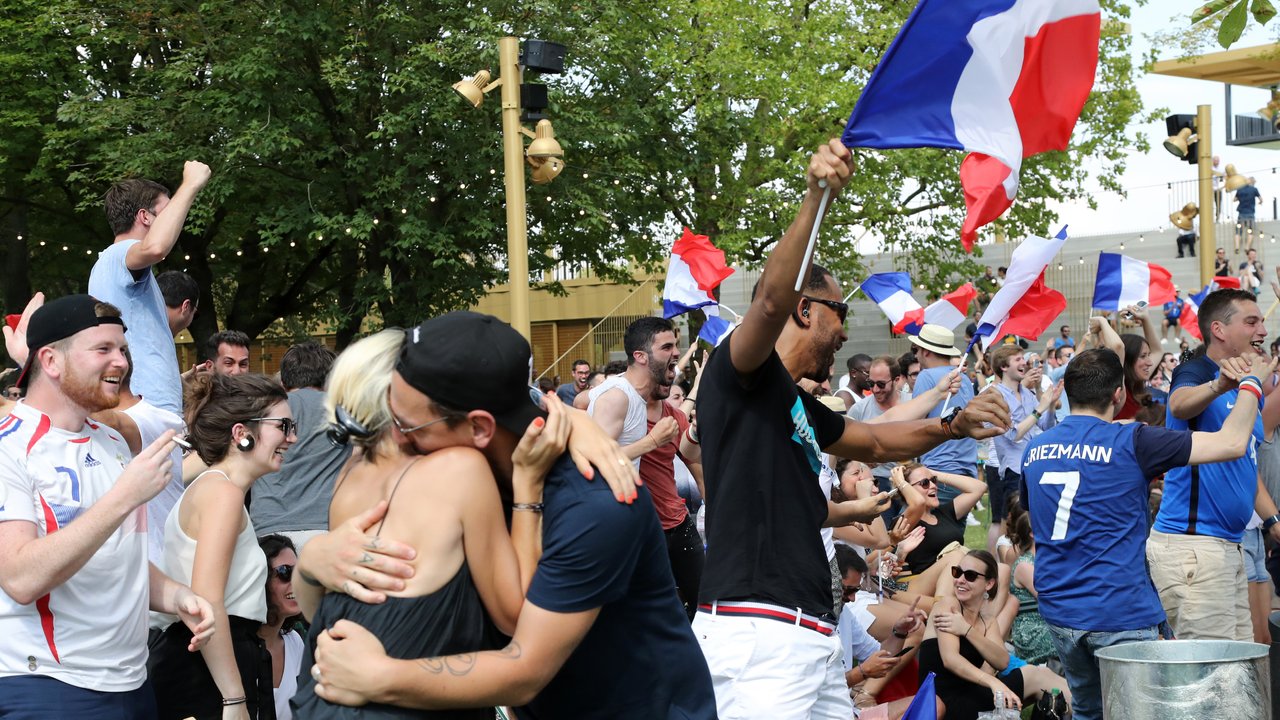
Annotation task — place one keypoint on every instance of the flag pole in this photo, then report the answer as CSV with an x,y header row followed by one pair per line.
x,y
947,403
731,310
853,292
813,234
1272,308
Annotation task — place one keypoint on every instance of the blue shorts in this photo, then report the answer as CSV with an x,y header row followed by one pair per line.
x,y
1255,556
37,697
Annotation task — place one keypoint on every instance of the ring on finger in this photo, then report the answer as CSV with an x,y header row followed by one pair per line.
x,y
315,673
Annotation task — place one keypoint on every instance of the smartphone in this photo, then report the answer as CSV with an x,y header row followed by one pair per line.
x,y
905,650
1141,305
894,493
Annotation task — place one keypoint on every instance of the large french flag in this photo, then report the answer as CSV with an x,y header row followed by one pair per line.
x,y
1001,79
892,292
1123,281
1024,306
952,309
697,267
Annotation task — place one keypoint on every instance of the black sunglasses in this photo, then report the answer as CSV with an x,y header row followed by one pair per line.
x,y
881,384
842,309
284,573
926,481
970,575
287,425
850,590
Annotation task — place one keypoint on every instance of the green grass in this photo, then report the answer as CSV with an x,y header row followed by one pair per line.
x,y
975,537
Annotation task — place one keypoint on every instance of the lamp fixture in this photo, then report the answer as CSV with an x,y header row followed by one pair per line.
x,y
1177,144
546,169
473,90
544,144
1234,180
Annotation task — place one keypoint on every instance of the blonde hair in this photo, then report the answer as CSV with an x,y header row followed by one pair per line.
x,y
359,382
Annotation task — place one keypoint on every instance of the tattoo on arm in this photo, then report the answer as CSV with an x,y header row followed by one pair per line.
x,y
459,665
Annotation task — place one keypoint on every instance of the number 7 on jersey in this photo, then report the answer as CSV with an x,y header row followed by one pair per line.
x,y
1071,483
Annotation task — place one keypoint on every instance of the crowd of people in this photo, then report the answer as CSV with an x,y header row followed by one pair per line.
x,y
411,528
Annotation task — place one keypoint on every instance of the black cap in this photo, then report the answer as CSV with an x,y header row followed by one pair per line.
x,y
59,320
469,361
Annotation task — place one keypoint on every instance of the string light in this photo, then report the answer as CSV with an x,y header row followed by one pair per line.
x,y
433,198
1081,260
186,257
88,252
714,197
1059,267
64,248
239,253
266,249
1122,245
492,171
585,176
1142,238
212,256
404,211
348,231
41,243
294,244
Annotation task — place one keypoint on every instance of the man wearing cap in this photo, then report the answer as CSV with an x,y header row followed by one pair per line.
x,y
765,621
146,222
601,634
935,348
74,576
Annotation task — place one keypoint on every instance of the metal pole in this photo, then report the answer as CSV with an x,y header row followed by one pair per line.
x,y
1204,165
513,177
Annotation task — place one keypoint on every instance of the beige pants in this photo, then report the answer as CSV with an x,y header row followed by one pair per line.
x,y
1202,586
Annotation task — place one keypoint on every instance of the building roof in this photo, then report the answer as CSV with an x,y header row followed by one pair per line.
x,y
1257,66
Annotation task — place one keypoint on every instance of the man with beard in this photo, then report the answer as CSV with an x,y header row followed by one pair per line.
x,y
634,402
765,619
568,391
74,576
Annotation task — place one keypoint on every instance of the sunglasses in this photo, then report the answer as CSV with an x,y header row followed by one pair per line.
x,y
881,384
283,573
288,426
926,481
969,575
842,309
850,591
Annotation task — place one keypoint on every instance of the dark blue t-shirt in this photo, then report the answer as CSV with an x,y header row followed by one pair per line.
x,y
1085,484
1247,197
639,659
1214,499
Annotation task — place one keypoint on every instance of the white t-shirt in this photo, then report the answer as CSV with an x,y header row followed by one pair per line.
x,y
635,424
246,590
857,643
293,649
152,422
826,480
91,631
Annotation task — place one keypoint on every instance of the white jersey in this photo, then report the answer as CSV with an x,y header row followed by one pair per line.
x,y
635,425
91,631
152,422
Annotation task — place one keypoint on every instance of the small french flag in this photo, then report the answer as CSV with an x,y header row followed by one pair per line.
x,y
715,330
1190,317
892,292
1123,281
953,308
697,267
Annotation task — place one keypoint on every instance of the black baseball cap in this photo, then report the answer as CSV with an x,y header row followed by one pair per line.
x,y
59,320
469,361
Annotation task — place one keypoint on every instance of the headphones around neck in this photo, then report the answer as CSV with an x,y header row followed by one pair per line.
x,y
341,431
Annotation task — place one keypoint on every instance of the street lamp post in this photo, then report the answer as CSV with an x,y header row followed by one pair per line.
x,y
1204,169
513,179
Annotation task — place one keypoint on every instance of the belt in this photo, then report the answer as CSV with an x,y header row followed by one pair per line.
x,y
768,611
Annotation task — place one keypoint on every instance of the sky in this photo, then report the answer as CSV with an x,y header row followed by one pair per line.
x,y
1146,176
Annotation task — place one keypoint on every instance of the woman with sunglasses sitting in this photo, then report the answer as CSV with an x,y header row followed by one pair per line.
x,y
240,426
963,635
470,575
284,644
943,522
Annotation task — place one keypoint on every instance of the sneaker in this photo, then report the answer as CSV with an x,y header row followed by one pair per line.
x,y
971,521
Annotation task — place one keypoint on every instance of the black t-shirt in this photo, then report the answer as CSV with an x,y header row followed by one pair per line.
x,y
936,537
762,442
639,659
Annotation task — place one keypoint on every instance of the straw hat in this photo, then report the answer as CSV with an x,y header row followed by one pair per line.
x,y
936,339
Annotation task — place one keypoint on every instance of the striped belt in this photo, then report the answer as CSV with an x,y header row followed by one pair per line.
x,y
769,611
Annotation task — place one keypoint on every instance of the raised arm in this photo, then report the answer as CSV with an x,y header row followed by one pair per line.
x,y
167,225
1232,440
1188,401
971,490
918,407
985,416
775,301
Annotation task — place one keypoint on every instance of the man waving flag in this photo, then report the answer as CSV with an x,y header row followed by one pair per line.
x,y
1002,79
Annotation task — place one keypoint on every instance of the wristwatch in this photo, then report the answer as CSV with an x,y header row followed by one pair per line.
x,y
1269,522
947,418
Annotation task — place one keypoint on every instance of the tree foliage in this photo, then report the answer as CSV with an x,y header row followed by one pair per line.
x,y
350,185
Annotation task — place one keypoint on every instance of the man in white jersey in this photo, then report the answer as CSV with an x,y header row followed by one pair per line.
x,y
74,576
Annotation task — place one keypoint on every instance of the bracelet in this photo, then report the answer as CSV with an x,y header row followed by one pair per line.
x,y
1037,414
692,435
228,702
529,507
1254,378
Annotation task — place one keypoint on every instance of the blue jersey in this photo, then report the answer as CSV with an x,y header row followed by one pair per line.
x,y
1085,484
1215,499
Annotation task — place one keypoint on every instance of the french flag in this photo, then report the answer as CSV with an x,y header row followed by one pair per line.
x,y
1190,317
892,292
953,308
1024,306
1001,79
697,267
1123,281
715,329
